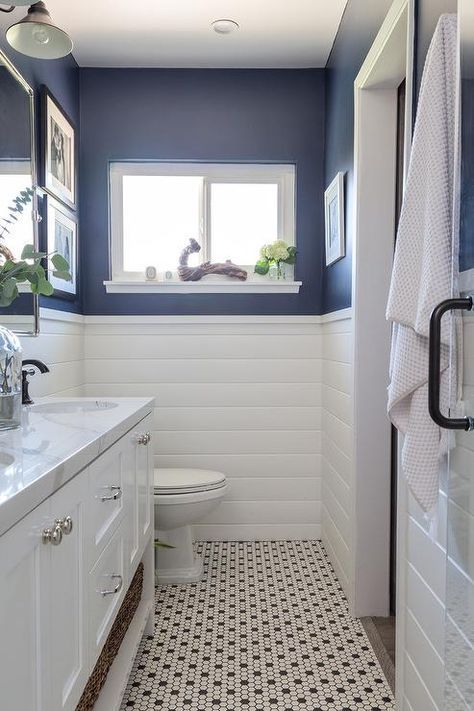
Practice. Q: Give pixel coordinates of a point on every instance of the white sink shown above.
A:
(72, 407)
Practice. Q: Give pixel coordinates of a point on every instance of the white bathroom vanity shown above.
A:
(76, 520)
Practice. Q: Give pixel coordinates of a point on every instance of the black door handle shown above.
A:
(434, 375)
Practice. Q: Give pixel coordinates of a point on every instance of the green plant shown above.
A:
(29, 268)
(15, 211)
(160, 544)
(276, 253)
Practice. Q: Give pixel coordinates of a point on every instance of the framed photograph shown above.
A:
(61, 237)
(334, 220)
(58, 151)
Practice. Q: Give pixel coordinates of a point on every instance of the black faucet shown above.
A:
(25, 383)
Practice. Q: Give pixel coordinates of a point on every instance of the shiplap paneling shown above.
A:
(268, 466)
(416, 694)
(336, 445)
(428, 662)
(421, 605)
(215, 394)
(242, 398)
(437, 582)
(60, 346)
(237, 418)
(202, 370)
(459, 648)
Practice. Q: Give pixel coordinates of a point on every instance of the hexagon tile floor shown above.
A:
(268, 628)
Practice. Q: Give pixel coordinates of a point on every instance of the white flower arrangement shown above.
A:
(275, 254)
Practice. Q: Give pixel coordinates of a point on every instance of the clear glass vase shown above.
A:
(277, 271)
(10, 380)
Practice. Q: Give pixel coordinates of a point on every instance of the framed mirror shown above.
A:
(18, 173)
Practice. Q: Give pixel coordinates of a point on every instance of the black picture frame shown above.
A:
(55, 211)
(58, 132)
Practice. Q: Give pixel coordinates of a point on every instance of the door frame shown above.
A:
(389, 61)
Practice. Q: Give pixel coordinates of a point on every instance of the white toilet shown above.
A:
(182, 497)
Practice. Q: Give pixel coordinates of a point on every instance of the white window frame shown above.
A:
(284, 175)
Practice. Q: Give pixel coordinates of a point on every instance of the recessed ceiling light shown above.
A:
(225, 27)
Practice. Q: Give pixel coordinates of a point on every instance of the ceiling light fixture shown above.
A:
(36, 35)
(225, 27)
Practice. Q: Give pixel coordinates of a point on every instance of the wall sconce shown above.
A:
(36, 35)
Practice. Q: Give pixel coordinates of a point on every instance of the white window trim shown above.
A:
(204, 286)
(134, 282)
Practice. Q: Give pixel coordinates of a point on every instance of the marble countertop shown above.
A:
(50, 448)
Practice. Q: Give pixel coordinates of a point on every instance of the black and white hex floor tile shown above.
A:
(267, 629)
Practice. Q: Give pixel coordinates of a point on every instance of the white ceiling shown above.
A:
(177, 33)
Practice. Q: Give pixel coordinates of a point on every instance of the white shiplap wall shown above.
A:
(421, 607)
(337, 442)
(426, 613)
(237, 394)
(459, 650)
(60, 346)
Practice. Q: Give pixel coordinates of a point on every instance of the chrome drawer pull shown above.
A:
(65, 524)
(52, 535)
(117, 494)
(144, 438)
(116, 589)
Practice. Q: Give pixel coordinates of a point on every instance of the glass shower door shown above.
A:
(459, 639)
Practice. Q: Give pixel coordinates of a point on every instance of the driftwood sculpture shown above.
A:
(6, 254)
(186, 273)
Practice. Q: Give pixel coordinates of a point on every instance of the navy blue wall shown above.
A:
(62, 78)
(15, 136)
(357, 32)
(208, 115)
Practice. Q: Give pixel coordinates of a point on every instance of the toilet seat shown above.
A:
(183, 497)
(175, 482)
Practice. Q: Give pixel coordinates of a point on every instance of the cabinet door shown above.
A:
(144, 477)
(68, 598)
(139, 474)
(24, 608)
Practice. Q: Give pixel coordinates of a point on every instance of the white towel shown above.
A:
(423, 268)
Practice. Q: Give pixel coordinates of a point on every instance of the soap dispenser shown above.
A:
(10, 380)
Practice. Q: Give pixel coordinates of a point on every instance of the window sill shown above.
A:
(202, 287)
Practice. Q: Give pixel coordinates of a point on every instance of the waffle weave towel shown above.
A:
(423, 268)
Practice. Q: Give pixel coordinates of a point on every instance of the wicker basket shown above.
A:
(113, 642)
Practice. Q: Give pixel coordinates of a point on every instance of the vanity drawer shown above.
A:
(107, 587)
(106, 498)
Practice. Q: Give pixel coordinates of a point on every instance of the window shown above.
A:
(15, 176)
(230, 209)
